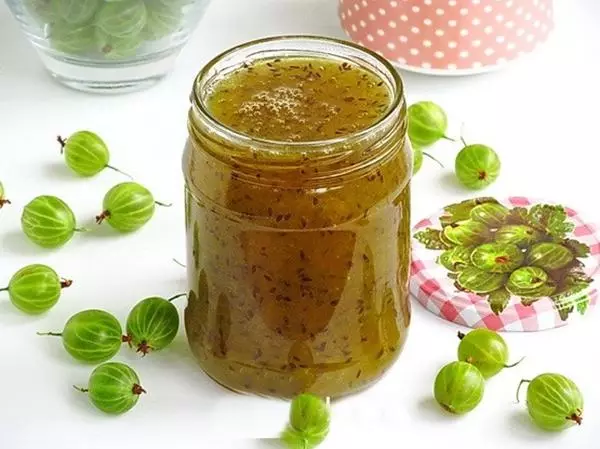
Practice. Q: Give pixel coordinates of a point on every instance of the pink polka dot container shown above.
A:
(448, 37)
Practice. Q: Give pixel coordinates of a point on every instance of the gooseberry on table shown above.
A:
(153, 324)
(477, 166)
(417, 159)
(35, 289)
(486, 350)
(91, 336)
(3, 199)
(113, 388)
(427, 123)
(554, 402)
(123, 18)
(48, 221)
(86, 153)
(309, 422)
(459, 387)
(128, 206)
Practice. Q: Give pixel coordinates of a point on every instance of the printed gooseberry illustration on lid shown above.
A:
(515, 264)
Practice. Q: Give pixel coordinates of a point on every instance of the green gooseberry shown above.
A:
(153, 324)
(48, 221)
(91, 336)
(417, 159)
(521, 235)
(486, 350)
(113, 388)
(42, 11)
(309, 422)
(455, 259)
(71, 39)
(35, 289)
(478, 281)
(477, 166)
(530, 282)
(554, 401)
(179, 3)
(466, 233)
(497, 257)
(3, 199)
(490, 214)
(459, 387)
(549, 256)
(128, 206)
(122, 19)
(162, 21)
(77, 12)
(427, 123)
(86, 154)
(113, 47)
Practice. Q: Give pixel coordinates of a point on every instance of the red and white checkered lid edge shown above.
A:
(430, 285)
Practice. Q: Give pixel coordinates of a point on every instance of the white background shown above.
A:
(541, 115)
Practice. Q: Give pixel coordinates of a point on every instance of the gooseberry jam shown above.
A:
(297, 176)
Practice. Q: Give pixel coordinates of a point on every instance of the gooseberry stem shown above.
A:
(50, 334)
(119, 171)
(66, 283)
(80, 389)
(81, 230)
(4, 289)
(464, 142)
(62, 142)
(179, 263)
(514, 364)
(144, 348)
(4, 201)
(576, 417)
(103, 216)
(173, 298)
(523, 381)
(432, 158)
(448, 138)
(461, 335)
(137, 389)
(158, 203)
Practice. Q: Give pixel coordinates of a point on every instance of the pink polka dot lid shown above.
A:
(448, 36)
(513, 264)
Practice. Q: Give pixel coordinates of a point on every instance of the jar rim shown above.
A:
(384, 65)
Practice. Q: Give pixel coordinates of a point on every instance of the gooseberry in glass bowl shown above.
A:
(108, 45)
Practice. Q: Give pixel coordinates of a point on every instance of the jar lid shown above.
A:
(514, 264)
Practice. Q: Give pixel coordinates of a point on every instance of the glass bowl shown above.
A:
(108, 45)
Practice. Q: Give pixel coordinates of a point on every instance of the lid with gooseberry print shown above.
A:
(506, 264)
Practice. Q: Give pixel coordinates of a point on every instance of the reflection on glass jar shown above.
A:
(298, 218)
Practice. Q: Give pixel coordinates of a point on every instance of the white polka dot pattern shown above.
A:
(448, 35)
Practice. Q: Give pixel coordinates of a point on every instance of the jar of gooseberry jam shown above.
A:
(297, 172)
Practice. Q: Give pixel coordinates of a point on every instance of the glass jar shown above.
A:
(298, 252)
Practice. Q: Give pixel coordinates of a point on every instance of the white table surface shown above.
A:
(541, 115)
